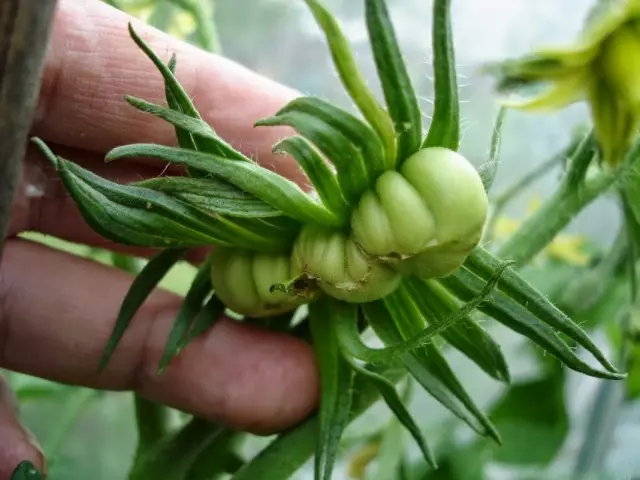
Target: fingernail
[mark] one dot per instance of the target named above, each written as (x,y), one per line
(26,471)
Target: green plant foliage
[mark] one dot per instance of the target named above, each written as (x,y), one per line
(417,314)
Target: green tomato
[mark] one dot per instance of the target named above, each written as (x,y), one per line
(243,279)
(340,267)
(426,218)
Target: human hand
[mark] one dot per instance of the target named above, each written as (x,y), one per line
(57,311)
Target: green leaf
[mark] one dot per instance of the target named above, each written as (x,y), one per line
(409,321)
(396,405)
(533,432)
(401,99)
(489,170)
(482,263)
(211,194)
(321,176)
(356,131)
(465,285)
(336,377)
(435,303)
(270,187)
(192,125)
(445,124)
(423,365)
(26,471)
(348,159)
(191,306)
(353,80)
(177,98)
(143,284)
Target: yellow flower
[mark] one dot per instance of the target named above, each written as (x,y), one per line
(601,67)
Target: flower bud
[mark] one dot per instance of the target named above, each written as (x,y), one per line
(426,218)
(340,267)
(243,280)
(620,63)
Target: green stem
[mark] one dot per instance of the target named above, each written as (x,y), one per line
(290,450)
(501,201)
(611,395)
(152,421)
(172,458)
(573,195)
(204,11)
(554,215)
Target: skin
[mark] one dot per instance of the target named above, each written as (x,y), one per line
(237,375)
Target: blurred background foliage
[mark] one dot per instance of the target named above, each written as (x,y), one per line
(553,422)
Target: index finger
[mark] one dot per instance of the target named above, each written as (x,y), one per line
(93,63)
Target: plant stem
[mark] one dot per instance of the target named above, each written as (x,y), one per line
(611,395)
(172,458)
(554,215)
(573,195)
(152,421)
(204,11)
(23,45)
(287,453)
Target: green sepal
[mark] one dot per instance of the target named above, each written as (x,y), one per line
(482,263)
(210,314)
(191,306)
(489,170)
(353,80)
(193,126)
(336,381)
(444,130)
(323,179)
(185,139)
(211,194)
(465,285)
(177,98)
(424,368)
(409,321)
(355,130)
(391,397)
(120,215)
(350,163)
(435,303)
(143,284)
(401,99)
(264,184)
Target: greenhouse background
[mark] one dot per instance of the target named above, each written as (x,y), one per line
(89,434)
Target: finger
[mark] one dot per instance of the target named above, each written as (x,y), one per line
(93,62)
(16,443)
(234,374)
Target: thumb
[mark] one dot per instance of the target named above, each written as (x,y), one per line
(17,444)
